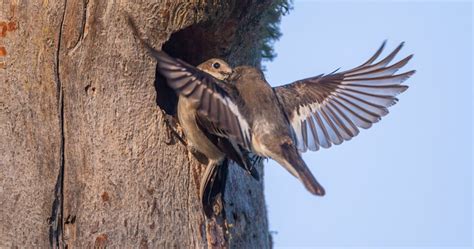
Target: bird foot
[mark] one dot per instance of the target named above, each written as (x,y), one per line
(173,131)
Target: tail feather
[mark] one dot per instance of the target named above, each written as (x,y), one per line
(212,185)
(293,162)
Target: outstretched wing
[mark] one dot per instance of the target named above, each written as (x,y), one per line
(214,99)
(329,109)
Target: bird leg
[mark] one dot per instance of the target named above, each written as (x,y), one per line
(173,130)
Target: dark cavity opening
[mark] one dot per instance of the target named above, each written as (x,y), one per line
(194,44)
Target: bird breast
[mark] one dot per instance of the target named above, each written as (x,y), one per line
(196,138)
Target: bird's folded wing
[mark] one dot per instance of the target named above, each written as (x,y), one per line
(329,109)
(233,151)
(214,99)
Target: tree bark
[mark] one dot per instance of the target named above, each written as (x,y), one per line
(91,154)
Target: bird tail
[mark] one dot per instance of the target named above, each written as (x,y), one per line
(212,185)
(293,162)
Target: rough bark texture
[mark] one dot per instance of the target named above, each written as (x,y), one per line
(87,155)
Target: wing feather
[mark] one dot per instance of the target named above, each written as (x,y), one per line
(314,145)
(215,100)
(330,109)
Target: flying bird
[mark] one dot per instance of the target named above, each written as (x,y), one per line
(282,122)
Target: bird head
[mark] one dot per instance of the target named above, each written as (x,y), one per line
(218,68)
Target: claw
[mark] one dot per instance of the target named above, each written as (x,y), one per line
(173,130)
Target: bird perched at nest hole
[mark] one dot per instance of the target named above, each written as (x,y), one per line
(216,148)
(282,122)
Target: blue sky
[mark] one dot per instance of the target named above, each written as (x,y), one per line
(407,181)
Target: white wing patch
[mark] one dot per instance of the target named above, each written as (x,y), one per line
(359,98)
(244,125)
(300,126)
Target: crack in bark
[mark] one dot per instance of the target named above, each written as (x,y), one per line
(56,219)
(83,24)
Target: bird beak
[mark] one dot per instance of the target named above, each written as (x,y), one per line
(227,75)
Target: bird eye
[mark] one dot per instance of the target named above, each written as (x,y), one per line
(216,65)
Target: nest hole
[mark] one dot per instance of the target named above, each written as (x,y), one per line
(194,44)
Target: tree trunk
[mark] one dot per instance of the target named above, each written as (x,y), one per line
(91,154)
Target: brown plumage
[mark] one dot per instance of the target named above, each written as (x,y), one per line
(329,109)
(282,122)
(215,148)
